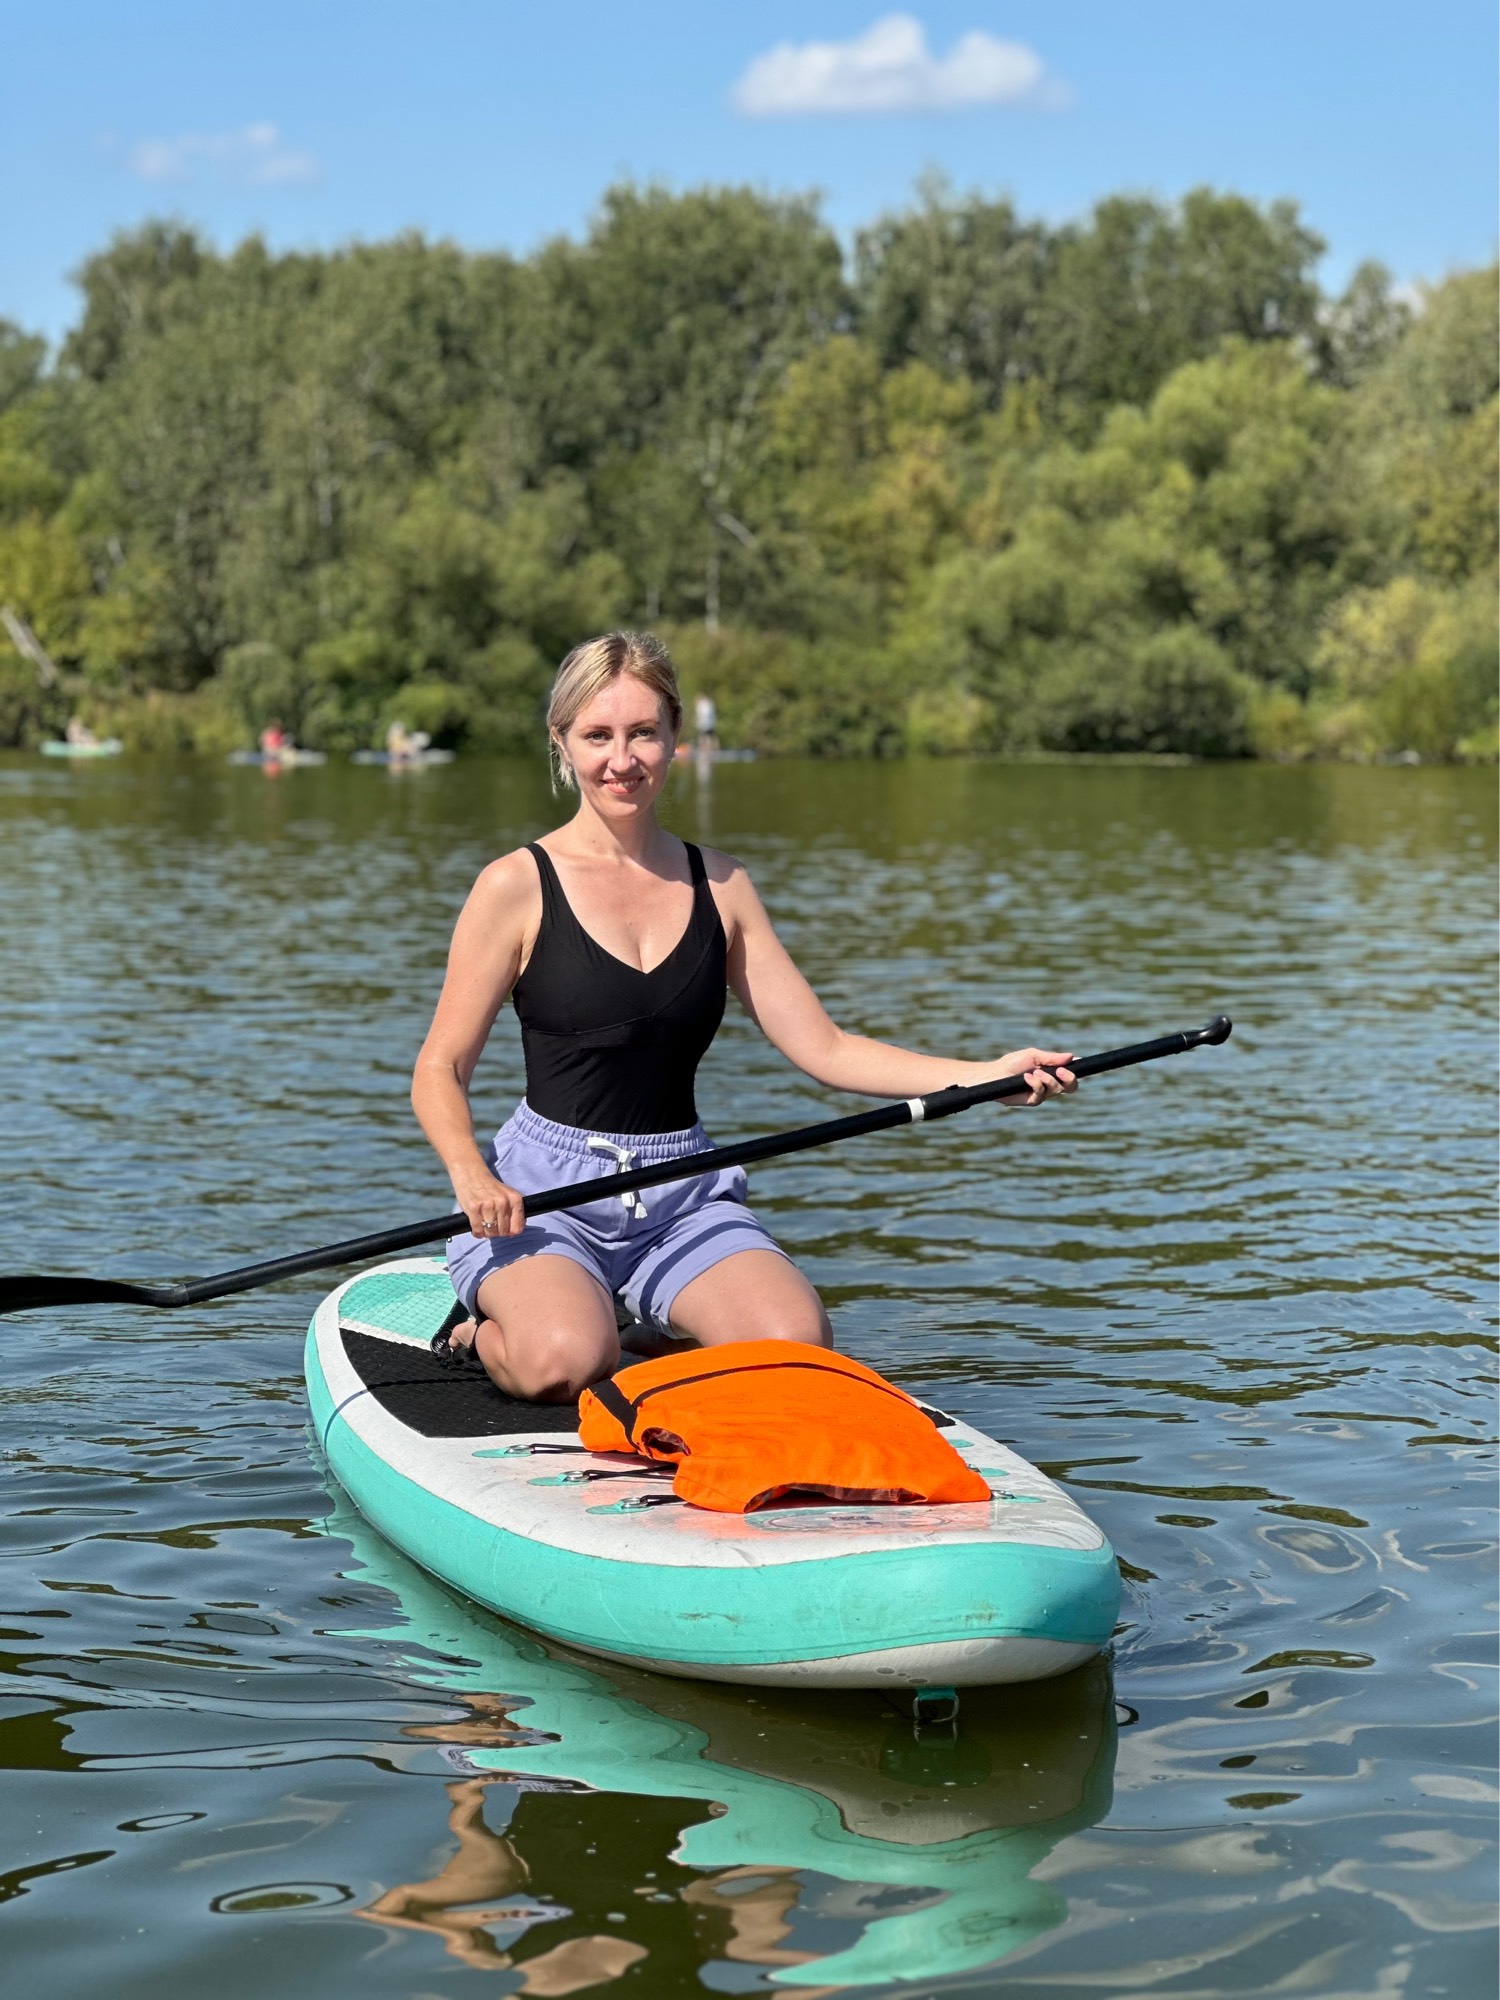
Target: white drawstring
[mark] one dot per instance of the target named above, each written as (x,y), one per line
(624,1158)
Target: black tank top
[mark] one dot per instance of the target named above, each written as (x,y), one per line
(608,1047)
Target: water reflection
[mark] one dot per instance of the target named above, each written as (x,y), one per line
(824,1844)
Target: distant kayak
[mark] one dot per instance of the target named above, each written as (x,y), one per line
(110,747)
(282,759)
(417,760)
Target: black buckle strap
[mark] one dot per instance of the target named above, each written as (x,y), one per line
(626,1409)
(618,1404)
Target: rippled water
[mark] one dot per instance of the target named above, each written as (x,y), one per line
(1242,1305)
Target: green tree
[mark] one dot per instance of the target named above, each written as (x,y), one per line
(22,359)
(1153,579)
(956,282)
(1143,289)
(1411,668)
(129,293)
(1362,328)
(680,314)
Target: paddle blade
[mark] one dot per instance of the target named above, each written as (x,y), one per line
(29,1293)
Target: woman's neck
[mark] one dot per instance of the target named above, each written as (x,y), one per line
(638,839)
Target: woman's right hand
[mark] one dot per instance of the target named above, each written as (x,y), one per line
(493,1208)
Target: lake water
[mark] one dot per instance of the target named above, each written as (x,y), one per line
(1241,1304)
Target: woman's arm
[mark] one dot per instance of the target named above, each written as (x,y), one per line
(791,1016)
(484,962)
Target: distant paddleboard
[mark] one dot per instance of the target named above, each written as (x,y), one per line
(284,759)
(111,746)
(416,761)
(500,1500)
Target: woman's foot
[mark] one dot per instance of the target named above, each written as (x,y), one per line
(465,1338)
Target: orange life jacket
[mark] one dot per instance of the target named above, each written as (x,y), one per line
(754,1420)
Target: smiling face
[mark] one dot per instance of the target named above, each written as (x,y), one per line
(620,748)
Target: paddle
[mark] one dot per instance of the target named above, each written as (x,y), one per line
(22,1293)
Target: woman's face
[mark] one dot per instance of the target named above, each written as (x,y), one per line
(620,747)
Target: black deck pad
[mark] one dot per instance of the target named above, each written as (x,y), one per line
(437,1400)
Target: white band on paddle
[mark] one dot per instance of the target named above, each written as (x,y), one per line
(917,1109)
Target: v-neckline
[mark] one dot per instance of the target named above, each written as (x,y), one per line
(640,971)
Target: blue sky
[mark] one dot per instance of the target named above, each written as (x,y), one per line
(499,124)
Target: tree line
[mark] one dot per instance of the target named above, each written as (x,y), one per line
(1130,484)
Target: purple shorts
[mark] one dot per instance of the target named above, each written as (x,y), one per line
(646,1247)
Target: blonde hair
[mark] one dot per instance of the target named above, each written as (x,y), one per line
(592,667)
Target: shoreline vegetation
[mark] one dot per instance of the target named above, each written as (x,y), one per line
(1131,486)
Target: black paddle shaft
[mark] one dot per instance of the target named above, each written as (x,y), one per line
(20,1294)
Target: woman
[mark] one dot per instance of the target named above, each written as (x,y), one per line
(616,941)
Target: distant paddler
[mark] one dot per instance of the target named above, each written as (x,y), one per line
(405,747)
(276,747)
(706,726)
(78,740)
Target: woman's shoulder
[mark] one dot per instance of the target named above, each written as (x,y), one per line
(511,881)
(723,870)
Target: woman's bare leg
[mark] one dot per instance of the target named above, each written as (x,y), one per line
(753,1295)
(546,1329)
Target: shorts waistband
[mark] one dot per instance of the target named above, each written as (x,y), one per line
(648,1147)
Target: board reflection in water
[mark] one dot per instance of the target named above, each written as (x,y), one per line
(829,1844)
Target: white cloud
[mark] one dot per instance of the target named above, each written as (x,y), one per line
(891,68)
(252,157)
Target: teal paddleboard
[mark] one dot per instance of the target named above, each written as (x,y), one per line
(500,1500)
(111,746)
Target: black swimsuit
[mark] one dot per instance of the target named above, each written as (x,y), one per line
(610,1048)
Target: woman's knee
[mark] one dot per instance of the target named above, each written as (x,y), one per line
(807,1324)
(793,1313)
(552,1364)
(752,1296)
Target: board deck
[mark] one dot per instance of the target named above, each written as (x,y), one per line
(499,1499)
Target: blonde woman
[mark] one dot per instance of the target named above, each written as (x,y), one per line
(617,942)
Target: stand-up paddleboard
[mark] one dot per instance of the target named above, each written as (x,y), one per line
(499,1499)
(285,760)
(109,746)
(415,760)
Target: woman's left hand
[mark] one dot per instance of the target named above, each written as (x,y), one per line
(1056,1080)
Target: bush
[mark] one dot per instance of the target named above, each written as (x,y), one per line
(1280,726)
(795,697)
(944,721)
(258,684)
(1156,692)
(1410,668)
(29,713)
(165,720)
